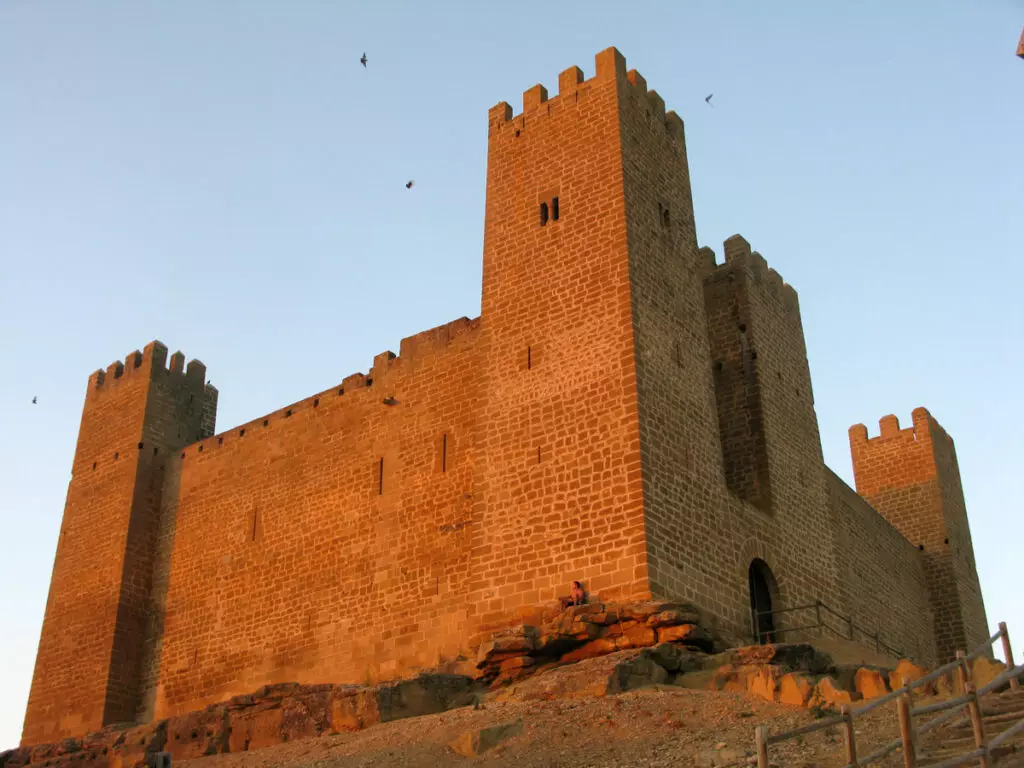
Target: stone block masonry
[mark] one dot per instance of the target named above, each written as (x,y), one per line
(625,412)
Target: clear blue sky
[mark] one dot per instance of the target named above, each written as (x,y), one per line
(226,178)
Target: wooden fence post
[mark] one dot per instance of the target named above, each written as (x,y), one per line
(963,672)
(849,738)
(1008,653)
(761,738)
(977,723)
(906,731)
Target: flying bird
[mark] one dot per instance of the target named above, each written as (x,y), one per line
(33,401)
(408,184)
(363,61)
(707,100)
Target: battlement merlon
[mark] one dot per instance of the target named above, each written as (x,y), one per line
(609,65)
(413,350)
(738,254)
(925,428)
(150,362)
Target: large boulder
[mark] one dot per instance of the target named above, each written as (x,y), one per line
(794,689)
(675,658)
(869,683)
(764,682)
(637,672)
(475,743)
(687,634)
(423,695)
(515,641)
(906,672)
(829,695)
(984,670)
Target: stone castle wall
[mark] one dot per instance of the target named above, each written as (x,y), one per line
(625,412)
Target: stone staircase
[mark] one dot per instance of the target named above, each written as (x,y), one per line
(999,713)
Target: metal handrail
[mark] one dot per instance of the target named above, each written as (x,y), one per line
(817,605)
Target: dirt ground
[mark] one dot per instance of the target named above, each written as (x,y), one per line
(565,725)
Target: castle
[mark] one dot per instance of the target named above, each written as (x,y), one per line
(625,412)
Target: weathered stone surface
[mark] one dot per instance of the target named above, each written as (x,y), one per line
(554,644)
(475,743)
(906,672)
(518,640)
(828,693)
(636,673)
(792,657)
(764,682)
(198,733)
(869,683)
(423,695)
(587,631)
(677,613)
(604,619)
(353,708)
(675,658)
(256,729)
(517,662)
(673,616)
(689,634)
(600,647)
(794,689)
(15,758)
(636,637)
(985,670)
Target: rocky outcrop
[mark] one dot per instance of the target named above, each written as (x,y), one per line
(272,715)
(475,743)
(586,632)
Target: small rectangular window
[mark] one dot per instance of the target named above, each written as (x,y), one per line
(543,214)
(554,209)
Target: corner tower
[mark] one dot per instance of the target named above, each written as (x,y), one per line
(577,186)
(88,666)
(593,325)
(912,478)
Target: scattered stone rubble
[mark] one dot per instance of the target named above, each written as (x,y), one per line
(656,643)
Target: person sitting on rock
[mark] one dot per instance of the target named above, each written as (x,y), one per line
(576,596)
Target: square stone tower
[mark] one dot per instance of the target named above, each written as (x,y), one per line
(911,476)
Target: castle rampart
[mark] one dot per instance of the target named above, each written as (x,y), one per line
(625,412)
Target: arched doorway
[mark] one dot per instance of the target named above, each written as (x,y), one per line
(761,587)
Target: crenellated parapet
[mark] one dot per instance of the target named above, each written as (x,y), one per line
(923,428)
(414,350)
(151,362)
(738,255)
(609,66)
